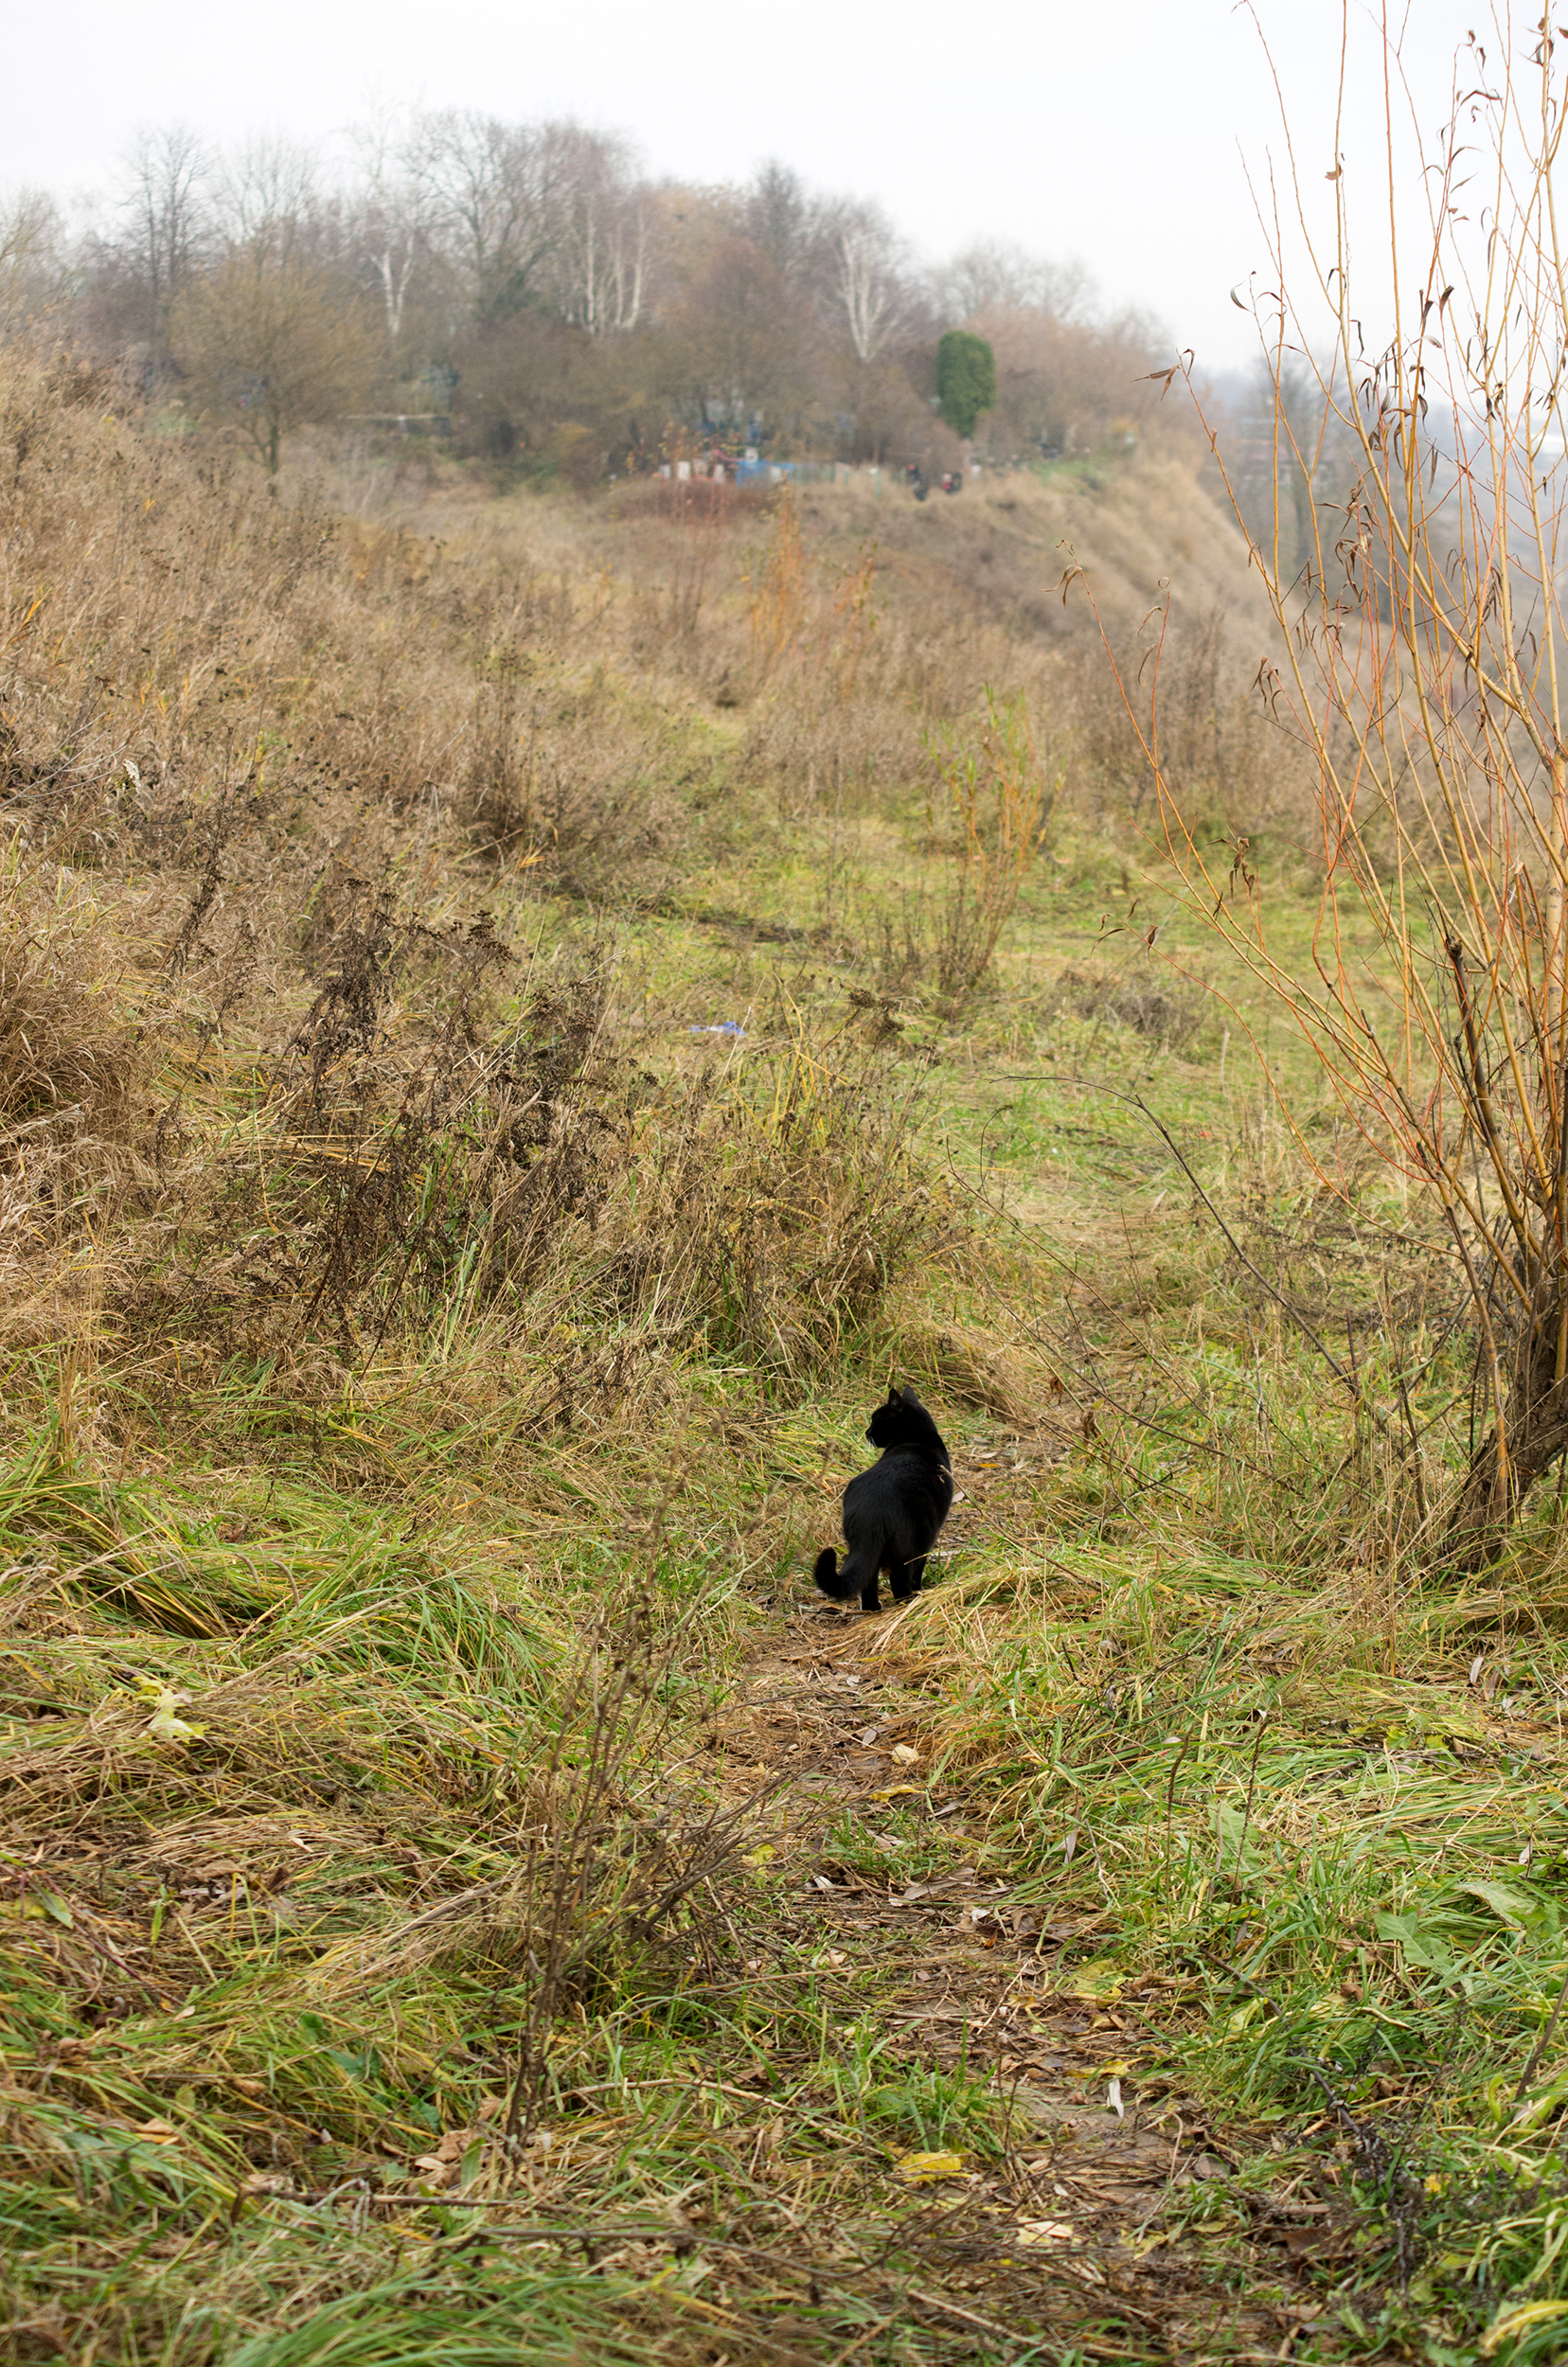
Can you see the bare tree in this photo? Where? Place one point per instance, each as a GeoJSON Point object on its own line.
{"type": "Point", "coordinates": [603, 222]}
{"type": "Point", "coordinates": [32, 265]}
{"type": "Point", "coordinates": [992, 276]}
{"type": "Point", "coordinates": [272, 342]}
{"type": "Point", "coordinates": [782, 221]}
{"type": "Point", "coordinates": [269, 190]}
{"type": "Point", "coordinates": [870, 285]}
{"type": "Point", "coordinates": [495, 189]}
{"type": "Point", "coordinates": [169, 221]}
{"type": "Point", "coordinates": [745, 338]}
{"type": "Point", "coordinates": [390, 220]}
{"type": "Point", "coordinates": [1065, 383]}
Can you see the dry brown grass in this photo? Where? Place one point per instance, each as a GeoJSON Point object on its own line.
{"type": "Point", "coordinates": [282, 795]}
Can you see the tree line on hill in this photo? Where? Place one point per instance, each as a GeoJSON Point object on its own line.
{"type": "Point", "coordinates": [530, 285]}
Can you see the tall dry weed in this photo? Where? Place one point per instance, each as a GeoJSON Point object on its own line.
{"type": "Point", "coordinates": [1002, 794]}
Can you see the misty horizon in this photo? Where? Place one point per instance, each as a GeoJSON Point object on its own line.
{"type": "Point", "coordinates": [1149, 160]}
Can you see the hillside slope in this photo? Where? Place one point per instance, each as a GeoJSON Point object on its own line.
{"type": "Point", "coordinates": [515, 1024]}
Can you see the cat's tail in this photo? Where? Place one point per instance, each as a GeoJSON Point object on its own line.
{"type": "Point", "coordinates": [842, 1584]}
{"type": "Point", "coordinates": [847, 1579]}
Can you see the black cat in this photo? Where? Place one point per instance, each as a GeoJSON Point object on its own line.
{"type": "Point", "coordinates": [893, 1513]}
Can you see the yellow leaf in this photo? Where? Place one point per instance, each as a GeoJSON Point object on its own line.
{"type": "Point", "coordinates": [922, 2169]}
{"type": "Point", "coordinates": [166, 1727]}
{"type": "Point", "coordinates": [1519, 2321]}
{"type": "Point", "coordinates": [1044, 2232]}
{"type": "Point", "coordinates": [1096, 1982]}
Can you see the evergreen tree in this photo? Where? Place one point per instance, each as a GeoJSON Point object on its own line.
{"type": "Point", "coordinates": [965, 379]}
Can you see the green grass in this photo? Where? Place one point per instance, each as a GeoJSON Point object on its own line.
{"type": "Point", "coordinates": [1195, 1711]}
{"type": "Point", "coordinates": [339, 1818]}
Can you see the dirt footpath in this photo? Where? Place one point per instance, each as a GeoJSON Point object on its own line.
{"type": "Point", "coordinates": [1108, 2224]}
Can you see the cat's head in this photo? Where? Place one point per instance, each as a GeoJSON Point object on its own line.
{"type": "Point", "coordinates": [891, 1422]}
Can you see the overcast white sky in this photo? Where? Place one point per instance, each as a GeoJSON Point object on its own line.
{"type": "Point", "coordinates": [1116, 133]}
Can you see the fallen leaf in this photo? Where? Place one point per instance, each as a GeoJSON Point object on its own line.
{"type": "Point", "coordinates": [906, 1755]}
{"type": "Point", "coordinates": [1095, 1980]}
{"type": "Point", "coordinates": [1314, 2243]}
{"type": "Point", "coordinates": [1113, 2098]}
{"type": "Point", "coordinates": [908, 1897]}
{"type": "Point", "coordinates": [923, 2169]}
{"type": "Point", "coordinates": [867, 1735]}
{"type": "Point", "coordinates": [1044, 2232]}
{"type": "Point", "coordinates": [1515, 2321]}
{"type": "Point", "coordinates": [158, 2132]}
{"type": "Point", "coordinates": [166, 1700]}
{"type": "Point", "coordinates": [166, 1727]}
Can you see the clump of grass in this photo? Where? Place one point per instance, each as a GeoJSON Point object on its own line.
{"type": "Point", "coordinates": [779, 1215]}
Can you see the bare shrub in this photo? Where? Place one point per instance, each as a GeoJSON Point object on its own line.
{"type": "Point", "coordinates": [422, 1157]}
{"type": "Point", "coordinates": [781, 1202]}
{"type": "Point", "coordinates": [565, 775]}
{"type": "Point", "coordinates": [1417, 660]}
{"type": "Point", "coordinates": [1222, 753]}
{"type": "Point", "coordinates": [1001, 795]}
{"type": "Point", "coordinates": [1162, 1009]}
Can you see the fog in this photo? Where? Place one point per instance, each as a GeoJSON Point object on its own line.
{"type": "Point", "coordinates": [1138, 140]}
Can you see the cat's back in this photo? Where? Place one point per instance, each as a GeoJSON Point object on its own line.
{"type": "Point", "coordinates": [907, 1467]}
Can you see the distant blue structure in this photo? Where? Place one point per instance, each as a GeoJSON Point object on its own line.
{"type": "Point", "coordinates": [785, 472]}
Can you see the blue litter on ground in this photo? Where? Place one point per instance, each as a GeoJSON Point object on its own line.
{"type": "Point", "coordinates": [723, 1027]}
